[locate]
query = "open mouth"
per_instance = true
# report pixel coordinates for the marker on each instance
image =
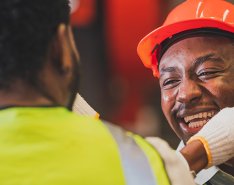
(198, 120)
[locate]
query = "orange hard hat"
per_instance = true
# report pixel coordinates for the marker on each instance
(188, 16)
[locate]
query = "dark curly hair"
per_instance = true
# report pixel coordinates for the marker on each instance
(26, 29)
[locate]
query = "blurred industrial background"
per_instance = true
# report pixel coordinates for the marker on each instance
(114, 81)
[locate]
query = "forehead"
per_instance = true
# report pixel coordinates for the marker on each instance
(189, 49)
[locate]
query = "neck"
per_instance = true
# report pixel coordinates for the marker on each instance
(22, 95)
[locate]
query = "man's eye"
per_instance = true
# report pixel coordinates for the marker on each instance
(170, 82)
(206, 73)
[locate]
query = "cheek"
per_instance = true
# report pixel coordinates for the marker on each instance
(167, 103)
(168, 99)
(222, 91)
(224, 96)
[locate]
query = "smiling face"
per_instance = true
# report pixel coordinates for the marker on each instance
(196, 81)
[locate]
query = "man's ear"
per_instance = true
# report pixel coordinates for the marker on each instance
(60, 50)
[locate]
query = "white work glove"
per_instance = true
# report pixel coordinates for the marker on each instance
(177, 169)
(217, 137)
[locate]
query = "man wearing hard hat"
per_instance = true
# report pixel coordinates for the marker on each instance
(42, 142)
(192, 56)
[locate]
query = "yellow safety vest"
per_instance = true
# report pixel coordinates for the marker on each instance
(53, 146)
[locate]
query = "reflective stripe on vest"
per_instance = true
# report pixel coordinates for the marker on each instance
(137, 169)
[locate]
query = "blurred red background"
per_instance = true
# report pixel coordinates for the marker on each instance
(114, 81)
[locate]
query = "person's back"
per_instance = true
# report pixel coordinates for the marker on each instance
(51, 145)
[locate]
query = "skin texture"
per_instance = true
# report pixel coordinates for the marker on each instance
(57, 84)
(195, 77)
(195, 155)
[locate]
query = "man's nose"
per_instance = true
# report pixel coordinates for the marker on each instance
(189, 92)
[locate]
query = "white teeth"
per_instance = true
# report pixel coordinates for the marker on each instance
(197, 124)
(204, 115)
(200, 115)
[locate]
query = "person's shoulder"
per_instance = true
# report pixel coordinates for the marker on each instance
(74, 117)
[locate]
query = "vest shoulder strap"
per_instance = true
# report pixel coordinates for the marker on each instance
(137, 169)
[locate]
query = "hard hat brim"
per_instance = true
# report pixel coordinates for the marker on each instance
(149, 43)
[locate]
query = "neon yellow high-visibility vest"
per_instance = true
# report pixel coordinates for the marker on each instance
(53, 146)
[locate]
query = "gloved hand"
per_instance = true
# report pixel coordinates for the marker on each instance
(217, 137)
(176, 166)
